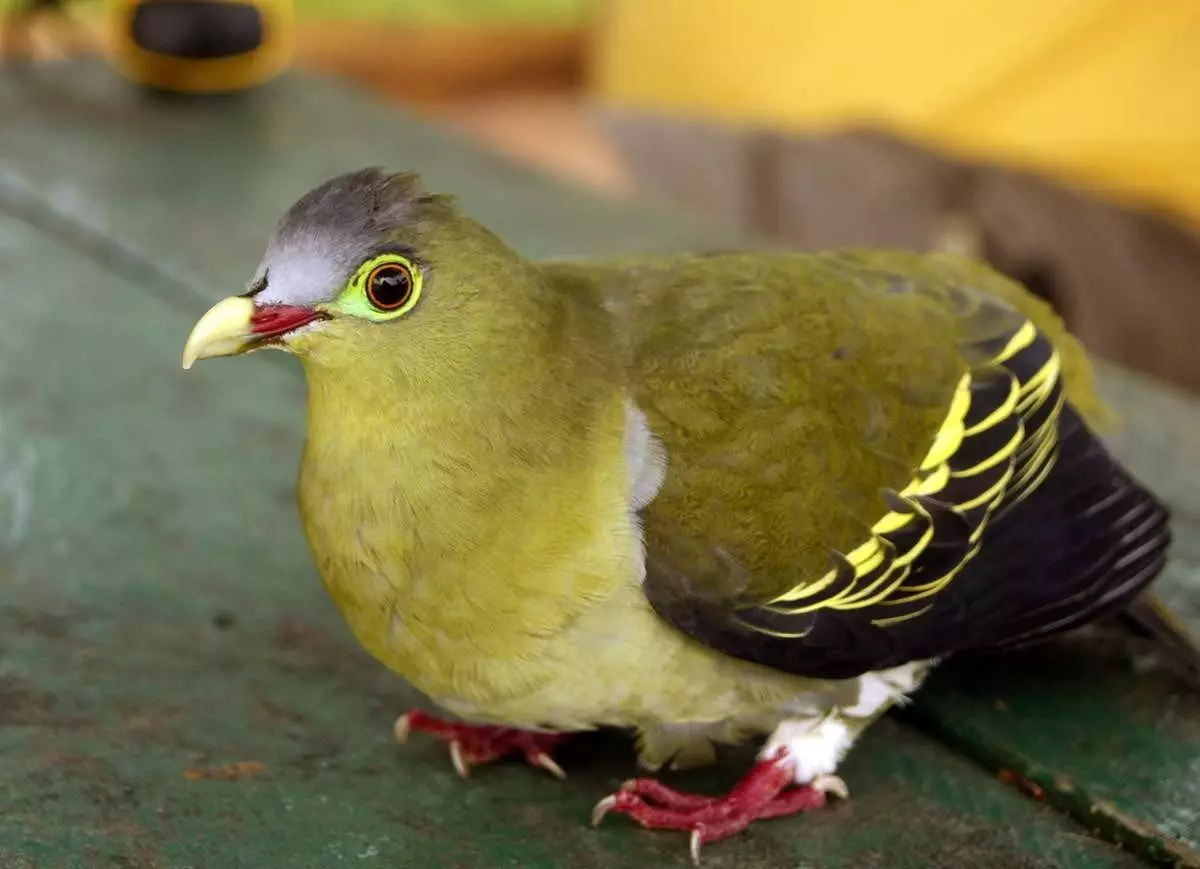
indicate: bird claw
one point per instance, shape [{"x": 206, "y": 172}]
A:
[
  {"x": 546, "y": 762},
  {"x": 602, "y": 808},
  {"x": 471, "y": 745},
  {"x": 767, "y": 791},
  {"x": 456, "y": 758},
  {"x": 401, "y": 730},
  {"x": 831, "y": 784}
]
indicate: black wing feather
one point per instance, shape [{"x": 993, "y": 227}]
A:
[{"x": 1037, "y": 530}]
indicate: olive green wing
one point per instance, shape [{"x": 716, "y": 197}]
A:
[{"x": 876, "y": 464}]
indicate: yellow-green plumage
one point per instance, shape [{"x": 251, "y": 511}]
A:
[
  {"x": 791, "y": 389},
  {"x": 512, "y": 595},
  {"x": 474, "y": 470}
]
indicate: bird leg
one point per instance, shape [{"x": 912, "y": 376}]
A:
[
  {"x": 767, "y": 791},
  {"x": 472, "y": 744}
]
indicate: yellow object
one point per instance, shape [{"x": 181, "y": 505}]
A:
[
  {"x": 1098, "y": 92},
  {"x": 163, "y": 44}
]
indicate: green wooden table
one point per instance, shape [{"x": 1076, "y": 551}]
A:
[{"x": 159, "y": 614}]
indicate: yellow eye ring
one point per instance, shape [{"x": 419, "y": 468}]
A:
[{"x": 390, "y": 286}]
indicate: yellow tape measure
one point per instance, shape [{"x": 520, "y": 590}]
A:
[
  {"x": 180, "y": 46},
  {"x": 202, "y": 46}
]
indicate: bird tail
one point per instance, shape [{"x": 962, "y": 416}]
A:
[{"x": 1148, "y": 618}]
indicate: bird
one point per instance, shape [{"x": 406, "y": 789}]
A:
[{"x": 707, "y": 497}]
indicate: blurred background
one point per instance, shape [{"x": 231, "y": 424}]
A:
[{"x": 1059, "y": 139}]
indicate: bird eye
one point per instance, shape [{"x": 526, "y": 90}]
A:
[{"x": 389, "y": 286}]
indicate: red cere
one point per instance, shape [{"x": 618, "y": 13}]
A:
[{"x": 277, "y": 319}]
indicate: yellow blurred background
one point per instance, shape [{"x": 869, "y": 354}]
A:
[{"x": 1103, "y": 92}]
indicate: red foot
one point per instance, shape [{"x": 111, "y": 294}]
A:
[
  {"x": 471, "y": 745},
  {"x": 765, "y": 792}
]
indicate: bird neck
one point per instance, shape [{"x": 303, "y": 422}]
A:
[{"x": 502, "y": 488}]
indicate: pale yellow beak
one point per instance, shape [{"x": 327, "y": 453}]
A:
[{"x": 224, "y": 330}]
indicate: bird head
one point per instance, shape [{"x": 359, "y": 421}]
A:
[{"x": 367, "y": 267}]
